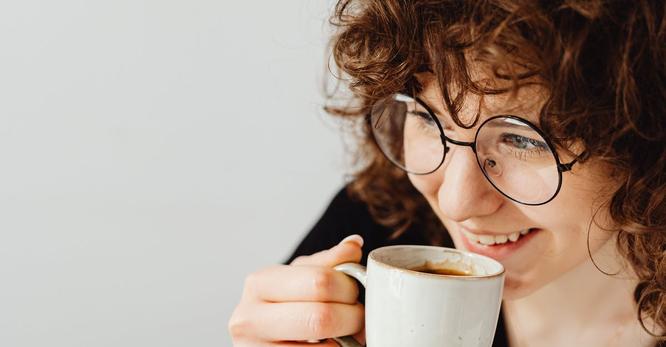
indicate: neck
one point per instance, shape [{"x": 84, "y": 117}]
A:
[{"x": 582, "y": 306}]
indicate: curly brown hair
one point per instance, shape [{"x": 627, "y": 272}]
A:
[{"x": 602, "y": 62}]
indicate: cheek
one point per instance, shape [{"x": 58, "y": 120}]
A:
[{"x": 428, "y": 185}]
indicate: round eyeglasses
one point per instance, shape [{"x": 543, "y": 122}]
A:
[{"x": 513, "y": 154}]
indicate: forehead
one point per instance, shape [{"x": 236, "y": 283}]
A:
[{"x": 525, "y": 102}]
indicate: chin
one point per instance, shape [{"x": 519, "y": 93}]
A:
[{"x": 515, "y": 289}]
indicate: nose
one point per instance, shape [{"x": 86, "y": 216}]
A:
[{"x": 465, "y": 192}]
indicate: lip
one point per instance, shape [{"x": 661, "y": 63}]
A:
[
  {"x": 476, "y": 232},
  {"x": 498, "y": 251}
]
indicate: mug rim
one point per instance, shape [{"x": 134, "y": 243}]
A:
[{"x": 373, "y": 256}]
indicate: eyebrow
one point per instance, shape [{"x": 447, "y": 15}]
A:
[
  {"x": 427, "y": 114},
  {"x": 512, "y": 123},
  {"x": 434, "y": 109}
]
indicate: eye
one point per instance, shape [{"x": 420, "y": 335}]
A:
[
  {"x": 523, "y": 142},
  {"x": 524, "y": 148},
  {"x": 425, "y": 116}
]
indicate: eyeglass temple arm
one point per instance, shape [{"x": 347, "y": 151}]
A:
[{"x": 567, "y": 167}]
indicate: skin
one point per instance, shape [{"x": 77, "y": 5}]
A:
[
  {"x": 304, "y": 301},
  {"x": 461, "y": 197},
  {"x": 551, "y": 281},
  {"x": 553, "y": 295}
]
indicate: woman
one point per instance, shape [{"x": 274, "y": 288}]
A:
[{"x": 531, "y": 132}]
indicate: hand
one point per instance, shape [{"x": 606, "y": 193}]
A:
[{"x": 288, "y": 305}]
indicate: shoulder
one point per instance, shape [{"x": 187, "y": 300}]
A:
[{"x": 344, "y": 216}]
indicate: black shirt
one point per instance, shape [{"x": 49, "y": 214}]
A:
[{"x": 345, "y": 217}]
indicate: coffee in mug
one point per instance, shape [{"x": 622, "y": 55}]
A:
[
  {"x": 428, "y": 296},
  {"x": 441, "y": 269}
]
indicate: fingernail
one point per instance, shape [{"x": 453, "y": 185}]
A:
[{"x": 353, "y": 238}]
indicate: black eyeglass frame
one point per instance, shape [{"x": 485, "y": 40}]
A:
[{"x": 561, "y": 167}]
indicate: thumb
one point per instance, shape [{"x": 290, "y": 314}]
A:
[{"x": 348, "y": 250}]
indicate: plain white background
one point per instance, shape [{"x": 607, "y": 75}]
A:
[{"x": 153, "y": 153}]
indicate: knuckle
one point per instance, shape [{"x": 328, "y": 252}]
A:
[
  {"x": 323, "y": 283},
  {"x": 299, "y": 260},
  {"x": 360, "y": 315},
  {"x": 237, "y": 326},
  {"x": 254, "y": 279},
  {"x": 320, "y": 321},
  {"x": 358, "y": 253},
  {"x": 355, "y": 291},
  {"x": 250, "y": 282},
  {"x": 353, "y": 252}
]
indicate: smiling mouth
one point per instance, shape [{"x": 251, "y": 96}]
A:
[{"x": 491, "y": 240}]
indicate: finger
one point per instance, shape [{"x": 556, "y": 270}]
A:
[
  {"x": 348, "y": 250},
  {"x": 323, "y": 343},
  {"x": 303, "y": 321},
  {"x": 302, "y": 283}
]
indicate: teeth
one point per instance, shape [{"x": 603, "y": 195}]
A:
[
  {"x": 514, "y": 236},
  {"x": 501, "y": 239},
  {"x": 489, "y": 240},
  {"x": 486, "y": 240},
  {"x": 472, "y": 237}
]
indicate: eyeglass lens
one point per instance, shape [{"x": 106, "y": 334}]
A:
[{"x": 513, "y": 156}]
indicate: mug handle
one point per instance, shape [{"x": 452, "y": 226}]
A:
[{"x": 358, "y": 272}]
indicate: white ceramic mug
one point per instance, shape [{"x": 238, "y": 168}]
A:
[{"x": 405, "y": 308}]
